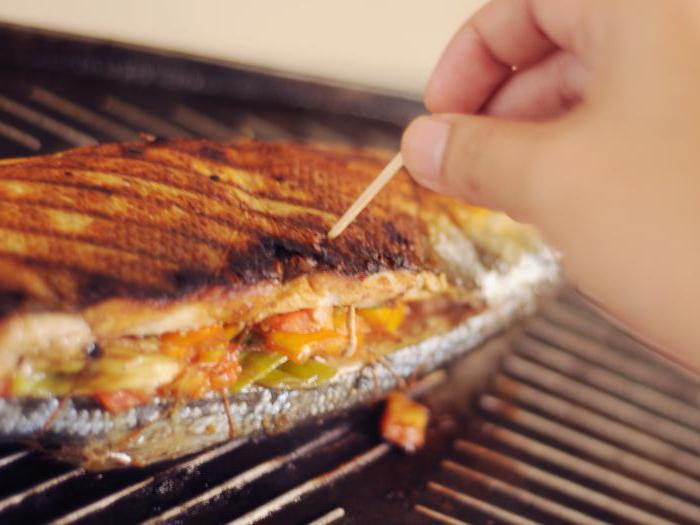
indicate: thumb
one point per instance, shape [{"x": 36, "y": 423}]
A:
[{"x": 486, "y": 161}]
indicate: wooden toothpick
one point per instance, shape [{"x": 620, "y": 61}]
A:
[{"x": 366, "y": 196}]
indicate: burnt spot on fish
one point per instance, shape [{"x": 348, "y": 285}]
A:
[
  {"x": 213, "y": 153},
  {"x": 132, "y": 150},
  {"x": 94, "y": 288},
  {"x": 94, "y": 351},
  {"x": 393, "y": 235},
  {"x": 9, "y": 302},
  {"x": 189, "y": 280},
  {"x": 215, "y": 178}
]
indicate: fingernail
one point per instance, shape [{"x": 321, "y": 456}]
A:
[{"x": 423, "y": 146}]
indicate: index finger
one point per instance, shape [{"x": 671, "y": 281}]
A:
[{"x": 503, "y": 34}]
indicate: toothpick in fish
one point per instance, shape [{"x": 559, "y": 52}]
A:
[{"x": 366, "y": 196}]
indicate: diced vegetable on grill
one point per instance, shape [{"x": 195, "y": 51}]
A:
[{"x": 404, "y": 422}]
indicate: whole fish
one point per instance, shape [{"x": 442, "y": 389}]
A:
[{"x": 162, "y": 296}]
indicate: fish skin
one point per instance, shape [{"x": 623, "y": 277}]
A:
[{"x": 84, "y": 434}]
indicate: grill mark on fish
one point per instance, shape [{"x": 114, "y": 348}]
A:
[
  {"x": 209, "y": 241},
  {"x": 300, "y": 220},
  {"x": 234, "y": 226},
  {"x": 75, "y": 252},
  {"x": 308, "y": 222},
  {"x": 157, "y": 178},
  {"x": 196, "y": 194},
  {"x": 116, "y": 218},
  {"x": 83, "y": 276},
  {"x": 97, "y": 241},
  {"x": 265, "y": 161}
]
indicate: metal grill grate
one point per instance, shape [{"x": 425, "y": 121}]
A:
[
  {"x": 580, "y": 425},
  {"x": 578, "y": 422}
]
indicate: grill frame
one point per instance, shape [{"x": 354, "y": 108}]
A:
[{"x": 563, "y": 419}]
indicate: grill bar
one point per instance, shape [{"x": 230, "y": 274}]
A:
[
  {"x": 438, "y": 516},
  {"x": 202, "y": 124},
  {"x": 104, "y": 503},
  {"x": 482, "y": 506},
  {"x": 71, "y": 135},
  {"x": 7, "y": 460},
  {"x": 39, "y": 489},
  {"x": 142, "y": 119},
  {"x": 113, "y": 130},
  {"x": 329, "y": 518},
  {"x": 354, "y": 465},
  {"x": 591, "y": 447},
  {"x": 608, "y": 405},
  {"x": 603, "y": 476},
  {"x": 20, "y": 137},
  {"x": 245, "y": 478},
  {"x": 607, "y": 428},
  {"x": 553, "y": 482},
  {"x": 639, "y": 370},
  {"x": 610, "y": 382}
]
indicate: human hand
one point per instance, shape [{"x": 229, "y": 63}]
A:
[{"x": 594, "y": 138}]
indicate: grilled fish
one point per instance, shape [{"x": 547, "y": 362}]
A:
[{"x": 162, "y": 296}]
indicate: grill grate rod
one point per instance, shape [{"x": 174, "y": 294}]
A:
[
  {"x": 53, "y": 126},
  {"x": 20, "y": 137},
  {"x": 202, "y": 124},
  {"x": 605, "y": 427},
  {"x": 80, "y": 114},
  {"x": 595, "y": 448},
  {"x": 8, "y": 460},
  {"x": 247, "y": 477},
  {"x": 609, "y": 382},
  {"x": 39, "y": 489},
  {"x": 604, "y": 476},
  {"x": 329, "y": 518},
  {"x": 549, "y": 480},
  {"x": 477, "y": 504},
  {"x": 142, "y": 119},
  {"x": 438, "y": 516},
  {"x": 312, "y": 485},
  {"x": 639, "y": 370},
  {"x": 186, "y": 466},
  {"x": 610, "y": 406}
]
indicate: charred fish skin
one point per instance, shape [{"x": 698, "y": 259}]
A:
[{"x": 80, "y": 431}]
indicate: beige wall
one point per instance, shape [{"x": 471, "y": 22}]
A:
[{"x": 388, "y": 44}]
